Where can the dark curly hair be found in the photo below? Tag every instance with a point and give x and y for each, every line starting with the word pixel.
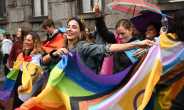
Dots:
pixel 176 25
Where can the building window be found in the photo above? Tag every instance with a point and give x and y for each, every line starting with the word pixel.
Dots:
pixel 40 8
pixel 2 8
pixel 87 5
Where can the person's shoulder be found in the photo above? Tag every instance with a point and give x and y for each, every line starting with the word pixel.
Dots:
pixel 7 41
pixel 59 34
pixel 81 43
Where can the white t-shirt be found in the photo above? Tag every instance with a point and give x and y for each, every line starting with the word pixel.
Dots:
pixel 6 46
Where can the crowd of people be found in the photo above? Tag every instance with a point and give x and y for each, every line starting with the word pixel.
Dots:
pixel 35 58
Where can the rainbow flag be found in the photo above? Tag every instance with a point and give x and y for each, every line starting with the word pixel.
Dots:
pixel 73 86
pixel 137 92
pixel 32 78
pixel 9 85
pixel 56 42
pixel 172 77
pixel 30 74
pixel 172 52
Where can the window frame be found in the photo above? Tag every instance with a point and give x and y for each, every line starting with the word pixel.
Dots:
pixel 43 12
pixel 3 9
pixel 80 7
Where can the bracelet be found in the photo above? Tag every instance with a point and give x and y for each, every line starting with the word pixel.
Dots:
pixel 107 48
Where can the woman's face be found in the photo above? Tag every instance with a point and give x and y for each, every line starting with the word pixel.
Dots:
pixel 73 30
pixel 151 32
pixel 19 32
pixel 124 34
pixel 28 42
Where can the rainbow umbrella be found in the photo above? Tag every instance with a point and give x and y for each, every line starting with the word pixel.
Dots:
pixel 132 7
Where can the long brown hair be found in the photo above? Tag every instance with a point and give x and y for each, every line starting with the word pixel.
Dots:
pixel 36 43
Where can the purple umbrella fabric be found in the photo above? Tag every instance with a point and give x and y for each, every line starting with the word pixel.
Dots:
pixel 144 19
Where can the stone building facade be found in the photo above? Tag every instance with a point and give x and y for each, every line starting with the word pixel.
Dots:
pixel 13 13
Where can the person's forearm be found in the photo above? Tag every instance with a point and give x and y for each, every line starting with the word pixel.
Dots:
pixel 46 59
pixel 122 47
pixel 126 46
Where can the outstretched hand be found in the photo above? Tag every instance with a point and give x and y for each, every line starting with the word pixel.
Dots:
pixel 145 43
pixel 60 52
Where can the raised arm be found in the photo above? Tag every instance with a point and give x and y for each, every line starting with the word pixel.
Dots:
pixel 101 27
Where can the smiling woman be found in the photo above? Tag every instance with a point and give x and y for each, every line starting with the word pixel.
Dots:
pixel 28 44
pixel 30 57
pixel 27 63
pixel 16 49
pixel 31 44
pixel 91 53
